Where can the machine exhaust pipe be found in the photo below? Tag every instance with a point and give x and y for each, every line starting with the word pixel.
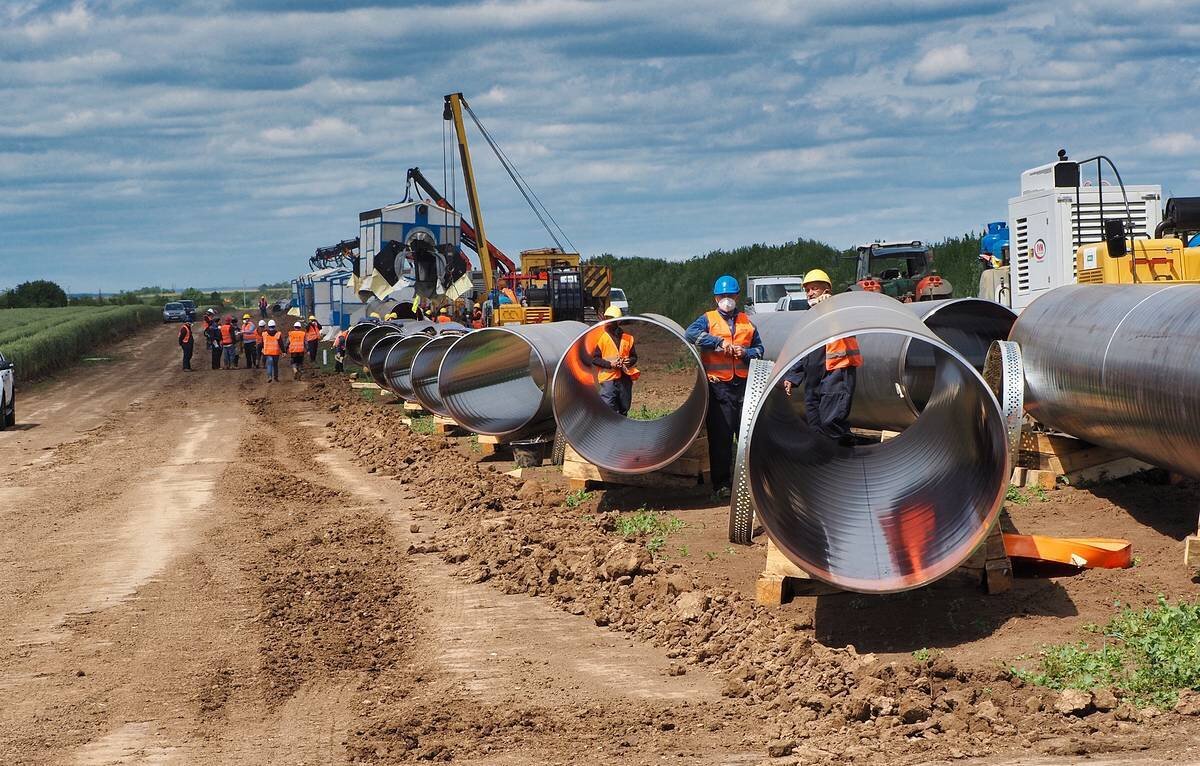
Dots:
pixel 1118 366
pixel 608 439
pixel 881 517
pixel 497 380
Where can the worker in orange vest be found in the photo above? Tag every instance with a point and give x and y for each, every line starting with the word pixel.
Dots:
pixel 228 334
pixel 272 349
pixel 250 341
pixel 186 342
pixel 727 341
pixel 614 357
pixel 828 374
pixel 443 315
pixel 312 337
pixel 477 318
pixel 295 349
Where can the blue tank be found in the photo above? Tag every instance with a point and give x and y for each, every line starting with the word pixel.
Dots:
pixel 994 240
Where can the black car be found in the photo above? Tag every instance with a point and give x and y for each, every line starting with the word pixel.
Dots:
pixel 190 308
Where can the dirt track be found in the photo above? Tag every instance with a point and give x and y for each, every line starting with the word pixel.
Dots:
pixel 204 569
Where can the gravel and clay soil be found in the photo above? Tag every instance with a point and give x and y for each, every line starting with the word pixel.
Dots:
pixel 206 569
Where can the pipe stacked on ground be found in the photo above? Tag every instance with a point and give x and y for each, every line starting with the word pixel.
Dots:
pixel 497 380
pixel 889 516
pixel 397 366
pixel 1118 366
pixel 608 439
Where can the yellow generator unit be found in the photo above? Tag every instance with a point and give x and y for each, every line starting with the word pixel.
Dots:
pixel 1119 260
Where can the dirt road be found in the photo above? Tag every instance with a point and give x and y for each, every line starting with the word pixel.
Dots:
pixel 194 572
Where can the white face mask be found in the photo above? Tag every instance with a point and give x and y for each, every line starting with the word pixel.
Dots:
pixel 726 304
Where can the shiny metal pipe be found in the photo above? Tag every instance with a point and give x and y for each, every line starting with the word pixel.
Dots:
pixel 397 368
pixel 424 373
pixel 1118 366
pixel 889 516
pixel 354 340
pixel 608 439
pixel 377 356
pixel 367 340
pixel 497 380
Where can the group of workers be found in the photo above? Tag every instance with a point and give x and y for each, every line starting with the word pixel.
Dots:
pixel 261 343
pixel 728 341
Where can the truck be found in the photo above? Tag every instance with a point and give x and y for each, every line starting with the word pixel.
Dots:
pixel 763 292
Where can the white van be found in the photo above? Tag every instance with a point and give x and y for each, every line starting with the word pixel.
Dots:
pixel 763 293
pixel 616 297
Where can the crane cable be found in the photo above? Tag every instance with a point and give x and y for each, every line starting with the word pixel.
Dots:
pixel 521 184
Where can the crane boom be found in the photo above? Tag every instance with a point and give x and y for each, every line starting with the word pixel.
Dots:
pixel 453 111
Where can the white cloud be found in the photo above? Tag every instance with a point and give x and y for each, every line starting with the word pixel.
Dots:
pixel 1176 144
pixel 323 130
pixel 945 64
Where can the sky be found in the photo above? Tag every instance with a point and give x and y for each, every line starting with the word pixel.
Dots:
pixel 217 143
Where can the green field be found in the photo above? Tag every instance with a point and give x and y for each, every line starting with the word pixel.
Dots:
pixel 41 341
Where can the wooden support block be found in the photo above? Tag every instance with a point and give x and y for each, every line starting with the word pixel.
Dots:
pixel 1191 551
pixel 517 473
pixel 446 426
pixel 414 407
pixel 771 590
pixel 1106 471
pixel 365 384
pixel 1043 479
pixel 689 470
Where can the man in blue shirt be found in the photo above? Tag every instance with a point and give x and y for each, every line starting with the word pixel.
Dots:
pixel 727 341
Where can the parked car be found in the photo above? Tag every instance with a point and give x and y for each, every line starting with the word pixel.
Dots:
pixel 190 307
pixel 175 312
pixel 616 297
pixel 8 394
pixel 792 303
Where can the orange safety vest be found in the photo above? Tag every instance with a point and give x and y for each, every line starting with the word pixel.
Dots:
pixel 842 353
pixel 249 333
pixel 609 351
pixel 313 332
pixel 270 343
pixel 717 364
pixel 443 319
pixel 185 335
pixel 226 335
pixel 296 342
pixel 339 340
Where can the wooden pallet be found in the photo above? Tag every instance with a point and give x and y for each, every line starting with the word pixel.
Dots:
pixel 781 580
pixel 1044 457
pixel 689 470
pixel 491 445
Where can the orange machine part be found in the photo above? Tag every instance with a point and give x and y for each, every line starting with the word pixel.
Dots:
pixel 1083 552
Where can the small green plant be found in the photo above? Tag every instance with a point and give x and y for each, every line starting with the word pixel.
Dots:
pixel 1041 495
pixel 646 413
pixel 729 550
pixel 1149 654
pixel 474 442
pixel 1137 561
pixel 578 498
pixel 711 555
pixel 1015 495
pixel 653 525
pixel 422 425
pixel 683 551
pixel 923 655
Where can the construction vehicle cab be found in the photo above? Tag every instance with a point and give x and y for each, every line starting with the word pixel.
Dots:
pixel 903 270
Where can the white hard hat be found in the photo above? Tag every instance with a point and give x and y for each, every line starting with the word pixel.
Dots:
pixel 271 323
pixel 298 326
pixel 262 323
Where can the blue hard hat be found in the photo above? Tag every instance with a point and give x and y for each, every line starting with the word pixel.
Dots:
pixel 725 285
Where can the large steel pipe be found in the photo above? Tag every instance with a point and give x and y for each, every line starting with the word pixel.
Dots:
pixel 378 354
pixel 359 353
pixel 889 516
pixel 397 368
pixel 1119 366
pixel 354 339
pixel 424 373
pixel 497 380
pixel 611 440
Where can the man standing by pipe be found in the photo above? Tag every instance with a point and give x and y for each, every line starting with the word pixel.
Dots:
pixel 828 374
pixel 615 357
pixel 727 341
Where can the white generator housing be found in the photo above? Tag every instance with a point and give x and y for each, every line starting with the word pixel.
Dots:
pixel 404 222
pixel 1045 233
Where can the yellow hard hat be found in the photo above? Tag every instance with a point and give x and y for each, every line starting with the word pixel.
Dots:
pixel 311 317
pixel 613 312
pixel 817 275
pixel 374 314
pixel 245 316
pixel 391 315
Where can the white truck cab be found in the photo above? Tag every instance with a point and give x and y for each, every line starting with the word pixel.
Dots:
pixel 8 404
pixel 763 293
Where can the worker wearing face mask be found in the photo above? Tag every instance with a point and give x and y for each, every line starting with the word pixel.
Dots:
pixel 727 341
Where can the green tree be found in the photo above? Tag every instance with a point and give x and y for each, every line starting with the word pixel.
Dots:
pixel 38 294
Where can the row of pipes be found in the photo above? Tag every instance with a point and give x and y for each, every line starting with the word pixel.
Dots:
pixel 1116 365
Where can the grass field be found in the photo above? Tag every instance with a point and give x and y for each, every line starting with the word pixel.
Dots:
pixel 41 341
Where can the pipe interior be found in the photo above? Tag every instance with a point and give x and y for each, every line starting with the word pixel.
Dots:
pixel 397 368
pixel 378 355
pixel 617 442
pixel 493 381
pixel 886 516
pixel 424 373
pixel 969 327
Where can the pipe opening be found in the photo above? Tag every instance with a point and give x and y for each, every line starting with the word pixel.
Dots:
pixel 885 516
pixel 493 381
pixel 397 368
pixel 969 326
pixel 377 356
pixel 666 404
pixel 424 373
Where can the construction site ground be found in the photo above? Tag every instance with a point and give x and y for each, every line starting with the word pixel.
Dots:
pixel 203 568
